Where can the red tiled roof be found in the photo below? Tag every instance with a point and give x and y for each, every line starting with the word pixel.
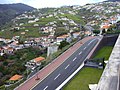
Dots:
pixel 15 77
pixel 63 36
pixel 38 59
pixel 105 27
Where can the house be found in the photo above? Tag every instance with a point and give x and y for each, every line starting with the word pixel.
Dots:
pixel 36 25
pixel 8 50
pixel 106 27
pixel 21 24
pixel 47 29
pixel 14 43
pixel 1 51
pixel 8 41
pixel 61 38
pixel 15 38
pixel 113 20
pixel 29 43
pixel 15 78
pixel 32 64
pixel 22 33
pixel 76 34
pixel 31 21
pixel 51 37
pixel 88 33
pixel 16 28
pixel 2 39
pixel 45 43
pixel 37 39
pixel 118 18
pixel 38 60
pixel 36 19
pixel 21 46
pixel 44 38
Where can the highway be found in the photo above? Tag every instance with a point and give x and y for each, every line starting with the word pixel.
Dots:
pixel 67 68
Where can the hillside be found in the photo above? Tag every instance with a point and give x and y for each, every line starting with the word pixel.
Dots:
pixel 10 11
pixel 114 0
pixel 62 20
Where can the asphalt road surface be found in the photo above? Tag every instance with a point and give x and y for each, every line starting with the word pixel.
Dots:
pixel 57 77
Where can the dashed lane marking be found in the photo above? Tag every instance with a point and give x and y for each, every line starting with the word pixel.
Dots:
pixel 84 48
pixel 74 58
pixel 80 53
pixel 56 76
pixel 67 66
pixel 45 88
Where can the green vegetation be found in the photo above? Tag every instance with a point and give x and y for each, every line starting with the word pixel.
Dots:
pixel 10 11
pixel 63 44
pixel 104 52
pixel 60 31
pixel 76 18
pixel 96 31
pixel 50 19
pixel 46 10
pixel 15 64
pixel 83 78
pixel 33 32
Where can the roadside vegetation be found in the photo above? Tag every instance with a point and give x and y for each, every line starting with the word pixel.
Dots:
pixel 15 64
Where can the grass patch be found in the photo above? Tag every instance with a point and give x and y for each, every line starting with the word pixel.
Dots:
pixel 83 78
pixel 76 18
pixel 104 52
pixel 33 32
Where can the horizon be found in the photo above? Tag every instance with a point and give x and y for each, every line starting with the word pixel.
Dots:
pixel 49 4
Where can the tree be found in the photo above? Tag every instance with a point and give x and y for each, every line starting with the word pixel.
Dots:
pixel 83 29
pixel 63 44
pixel 60 31
pixel 21 40
pixel 1 68
pixel 103 31
pixel 5 63
pixel 96 31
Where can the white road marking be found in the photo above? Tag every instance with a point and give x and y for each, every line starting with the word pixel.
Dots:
pixel 67 66
pixel 84 48
pixel 89 43
pixel 45 88
pixel 56 76
pixel 74 58
pixel 80 53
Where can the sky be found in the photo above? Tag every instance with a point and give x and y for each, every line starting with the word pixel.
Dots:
pixel 50 3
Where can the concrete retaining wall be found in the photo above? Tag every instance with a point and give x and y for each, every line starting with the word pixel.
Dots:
pixel 108 40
